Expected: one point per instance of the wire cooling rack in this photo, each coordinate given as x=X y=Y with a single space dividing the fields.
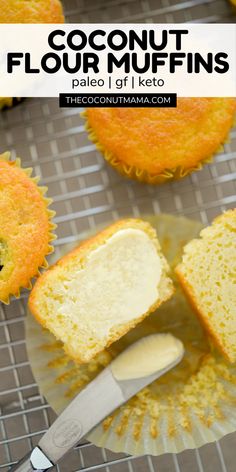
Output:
x=86 y=193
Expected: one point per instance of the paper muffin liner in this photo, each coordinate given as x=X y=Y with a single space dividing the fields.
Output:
x=133 y=172
x=50 y=213
x=192 y=405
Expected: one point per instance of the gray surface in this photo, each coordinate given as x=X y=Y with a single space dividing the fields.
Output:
x=87 y=192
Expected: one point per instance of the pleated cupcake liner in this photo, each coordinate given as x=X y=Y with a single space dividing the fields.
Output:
x=132 y=172
x=192 y=405
x=8 y=102
x=52 y=226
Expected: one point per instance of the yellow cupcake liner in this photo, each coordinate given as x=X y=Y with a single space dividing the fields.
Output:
x=5 y=102
x=8 y=102
x=133 y=172
x=188 y=407
x=52 y=226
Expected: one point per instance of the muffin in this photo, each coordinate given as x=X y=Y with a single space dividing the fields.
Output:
x=25 y=227
x=192 y=405
x=207 y=274
x=29 y=11
x=5 y=102
x=103 y=288
x=155 y=145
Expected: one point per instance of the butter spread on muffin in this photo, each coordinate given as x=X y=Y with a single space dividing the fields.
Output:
x=103 y=288
x=25 y=227
x=158 y=144
x=208 y=276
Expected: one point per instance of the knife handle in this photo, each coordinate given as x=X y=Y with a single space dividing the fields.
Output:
x=35 y=461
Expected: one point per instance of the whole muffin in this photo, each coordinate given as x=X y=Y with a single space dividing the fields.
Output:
x=29 y=11
x=25 y=227
x=155 y=145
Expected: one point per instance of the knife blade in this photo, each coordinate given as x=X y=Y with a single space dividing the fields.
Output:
x=94 y=403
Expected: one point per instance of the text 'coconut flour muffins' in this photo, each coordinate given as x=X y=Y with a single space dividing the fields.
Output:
x=29 y=11
x=25 y=227
x=207 y=274
x=103 y=288
x=155 y=145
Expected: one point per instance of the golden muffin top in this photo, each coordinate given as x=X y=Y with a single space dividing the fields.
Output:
x=157 y=139
x=5 y=102
x=24 y=228
x=31 y=11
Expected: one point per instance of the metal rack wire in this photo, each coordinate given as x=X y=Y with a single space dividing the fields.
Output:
x=86 y=193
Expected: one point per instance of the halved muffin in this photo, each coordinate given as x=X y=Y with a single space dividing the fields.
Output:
x=103 y=288
x=207 y=274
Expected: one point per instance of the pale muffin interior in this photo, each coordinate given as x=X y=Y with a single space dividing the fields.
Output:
x=88 y=304
x=208 y=273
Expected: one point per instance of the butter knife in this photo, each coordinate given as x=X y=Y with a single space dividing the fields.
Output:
x=102 y=396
